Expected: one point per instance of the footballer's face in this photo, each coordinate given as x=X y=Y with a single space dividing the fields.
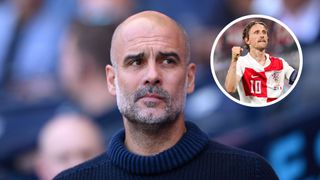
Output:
x=258 y=37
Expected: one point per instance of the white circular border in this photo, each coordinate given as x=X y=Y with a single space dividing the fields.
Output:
x=248 y=17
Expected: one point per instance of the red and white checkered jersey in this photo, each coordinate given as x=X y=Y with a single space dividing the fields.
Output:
x=261 y=84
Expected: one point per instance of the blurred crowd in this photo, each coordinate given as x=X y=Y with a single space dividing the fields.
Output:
x=56 y=112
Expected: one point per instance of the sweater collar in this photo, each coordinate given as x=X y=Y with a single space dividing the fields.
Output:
x=191 y=144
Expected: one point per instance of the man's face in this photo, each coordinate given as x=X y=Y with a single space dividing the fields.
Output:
x=66 y=145
x=258 y=37
x=151 y=78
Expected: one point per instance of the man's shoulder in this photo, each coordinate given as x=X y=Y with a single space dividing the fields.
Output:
x=271 y=57
x=276 y=64
x=236 y=158
x=275 y=59
x=216 y=147
x=245 y=61
x=94 y=164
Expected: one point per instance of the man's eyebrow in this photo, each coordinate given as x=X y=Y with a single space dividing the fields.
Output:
x=133 y=57
x=168 y=54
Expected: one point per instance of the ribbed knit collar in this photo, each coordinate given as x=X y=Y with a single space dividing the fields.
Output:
x=191 y=144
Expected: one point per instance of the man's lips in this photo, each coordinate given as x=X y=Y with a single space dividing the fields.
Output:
x=151 y=93
x=152 y=96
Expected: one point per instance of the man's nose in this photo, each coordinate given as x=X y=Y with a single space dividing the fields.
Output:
x=153 y=74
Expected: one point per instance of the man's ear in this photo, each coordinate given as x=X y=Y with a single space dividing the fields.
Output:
x=110 y=77
x=246 y=40
x=191 y=73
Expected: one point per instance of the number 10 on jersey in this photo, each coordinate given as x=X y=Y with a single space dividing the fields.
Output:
x=255 y=86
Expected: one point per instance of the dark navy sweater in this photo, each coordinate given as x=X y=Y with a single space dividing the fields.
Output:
x=193 y=157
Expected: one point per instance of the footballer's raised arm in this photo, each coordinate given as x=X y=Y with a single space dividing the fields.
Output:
x=232 y=79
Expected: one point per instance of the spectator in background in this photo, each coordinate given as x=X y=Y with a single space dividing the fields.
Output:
x=37 y=57
x=302 y=16
x=29 y=35
x=65 y=141
x=84 y=53
x=24 y=110
x=102 y=12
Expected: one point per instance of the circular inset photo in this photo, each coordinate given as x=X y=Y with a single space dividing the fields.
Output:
x=256 y=60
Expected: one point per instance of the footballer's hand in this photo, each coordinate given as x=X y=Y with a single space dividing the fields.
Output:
x=236 y=51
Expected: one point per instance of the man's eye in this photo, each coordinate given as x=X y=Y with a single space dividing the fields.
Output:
x=168 y=61
x=136 y=62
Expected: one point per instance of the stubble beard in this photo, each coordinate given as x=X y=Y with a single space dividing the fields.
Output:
x=145 y=120
x=263 y=47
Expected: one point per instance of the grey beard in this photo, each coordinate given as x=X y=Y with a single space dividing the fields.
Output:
x=156 y=125
x=147 y=122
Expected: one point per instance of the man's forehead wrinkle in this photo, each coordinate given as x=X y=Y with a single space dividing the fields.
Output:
x=142 y=44
x=158 y=38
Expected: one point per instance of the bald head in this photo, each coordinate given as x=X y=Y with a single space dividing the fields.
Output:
x=70 y=126
x=66 y=141
x=147 y=25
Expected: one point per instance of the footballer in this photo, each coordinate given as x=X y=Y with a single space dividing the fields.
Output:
x=258 y=77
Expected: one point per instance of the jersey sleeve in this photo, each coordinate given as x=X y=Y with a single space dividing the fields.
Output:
x=288 y=70
x=240 y=67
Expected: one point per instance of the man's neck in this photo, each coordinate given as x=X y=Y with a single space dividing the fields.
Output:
x=147 y=143
x=259 y=56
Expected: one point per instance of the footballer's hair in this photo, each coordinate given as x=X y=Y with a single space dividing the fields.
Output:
x=245 y=33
